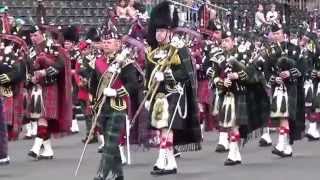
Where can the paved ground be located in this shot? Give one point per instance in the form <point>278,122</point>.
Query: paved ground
<point>258,163</point>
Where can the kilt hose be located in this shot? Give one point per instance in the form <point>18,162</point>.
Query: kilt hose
<point>110,164</point>
<point>3,135</point>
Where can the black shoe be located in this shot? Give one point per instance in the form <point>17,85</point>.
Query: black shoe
<point>100,150</point>
<point>230,162</point>
<point>311,138</point>
<point>155,168</point>
<point>264,143</point>
<point>5,162</point>
<point>98,178</point>
<point>176,153</point>
<point>162,172</point>
<point>120,178</point>
<point>27,137</point>
<point>33,155</point>
<point>75,132</point>
<point>45,157</point>
<point>280,153</point>
<point>284,155</point>
<point>221,149</point>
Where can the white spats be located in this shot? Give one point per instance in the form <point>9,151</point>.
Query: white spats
<point>74,126</point>
<point>122,154</point>
<point>166,160</point>
<point>266,136</point>
<point>34,128</point>
<point>28,130</point>
<point>47,152</point>
<point>5,161</point>
<point>161,161</point>
<point>202,130</point>
<point>171,161</point>
<point>37,146</point>
<point>287,150</point>
<point>282,138</point>
<point>101,140</point>
<point>223,139</point>
<point>234,152</point>
<point>313,131</point>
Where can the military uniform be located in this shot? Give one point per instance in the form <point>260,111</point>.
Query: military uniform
<point>171,99</point>
<point>287,98</point>
<point>12,55</point>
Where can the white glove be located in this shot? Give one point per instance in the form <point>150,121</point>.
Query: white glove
<point>110,92</point>
<point>112,68</point>
<point>198,66</point>
<point>159,76</point>
<point>147,105</point>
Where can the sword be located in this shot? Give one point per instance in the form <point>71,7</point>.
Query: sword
<point>100,105</point>
<point>90,135</point>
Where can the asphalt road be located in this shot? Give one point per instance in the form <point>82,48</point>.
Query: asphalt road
<point>258,163</point>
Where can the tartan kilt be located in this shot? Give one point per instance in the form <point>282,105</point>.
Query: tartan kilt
<point>3,135</point>
<point>204,92</point>
<point>112,124</point>
<point>313,113</point>
<point>50,102</point>
<point>13,114</point>
<point>241,110</point>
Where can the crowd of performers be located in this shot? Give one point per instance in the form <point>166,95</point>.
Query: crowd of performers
<point>163,83</point>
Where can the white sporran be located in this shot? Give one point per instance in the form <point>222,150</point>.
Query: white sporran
<point>279,103</point>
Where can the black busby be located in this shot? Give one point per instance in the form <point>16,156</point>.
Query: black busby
<point>310,35</point>
<point>276,27</point>
<point>71,34</point>
<point>93,35</point>
<point>212,26</point>
<point>164,15</point>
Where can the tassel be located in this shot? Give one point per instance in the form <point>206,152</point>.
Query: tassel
<point>222,113</point>
<point>274,104</point>
<point>24,102</point>
<point>283,107</point>
<point>228,118</point>
<point>317,101</point>
<point>38,105</point>
<point>32,107</point>
<point>308,99</point>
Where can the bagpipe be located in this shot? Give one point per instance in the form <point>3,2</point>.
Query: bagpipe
<point>13,50</point>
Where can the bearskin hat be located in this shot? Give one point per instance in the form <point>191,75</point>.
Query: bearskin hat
<point>164,15</point>
<point>71,34</point>
<point>93,35</point>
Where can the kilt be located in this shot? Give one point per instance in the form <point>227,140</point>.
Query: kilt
<point>3,135</point>
<point>110,163</point>
<point>204,92</point>
<point>13,114</point>
<point>313,112</point>
<point>240,111</point>
<point>50,102</point>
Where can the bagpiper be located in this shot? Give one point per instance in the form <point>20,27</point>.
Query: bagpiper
<point>13,52</point>
<point>171,90</point>
<point>308,46</point>
<point>51,74</point>
<point>284,72</point>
